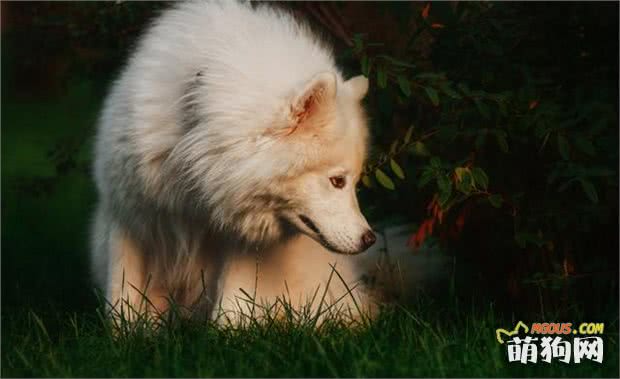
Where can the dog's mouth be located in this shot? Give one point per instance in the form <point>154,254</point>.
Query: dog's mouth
<point>310,224</point>
<point>319,236</point>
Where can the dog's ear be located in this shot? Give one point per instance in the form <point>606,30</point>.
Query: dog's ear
<point>357,86</point>
<point>315,101</point>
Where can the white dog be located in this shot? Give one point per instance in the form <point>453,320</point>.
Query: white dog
<point>227,158</point>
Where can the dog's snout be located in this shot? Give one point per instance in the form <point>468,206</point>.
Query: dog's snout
<point>368,239</point>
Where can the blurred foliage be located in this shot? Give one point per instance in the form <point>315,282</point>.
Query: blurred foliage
<point>495,129</point>
<point>510,122</point>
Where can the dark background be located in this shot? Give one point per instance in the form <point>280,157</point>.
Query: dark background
<point>526,92</point>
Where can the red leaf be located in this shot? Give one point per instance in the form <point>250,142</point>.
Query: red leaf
<point>533,104</point>
<point>427,7</point>
<point>437,26</point>
<point>430,224</point>
<point>425,229</point>
<point>432,204</point>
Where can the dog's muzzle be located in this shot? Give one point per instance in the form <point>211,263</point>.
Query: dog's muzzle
<point>368,238</point>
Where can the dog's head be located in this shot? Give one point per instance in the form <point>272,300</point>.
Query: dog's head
<point>262,162</point>
<point>325,136</point>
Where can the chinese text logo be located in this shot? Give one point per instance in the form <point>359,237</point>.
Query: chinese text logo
<point>529,345</point>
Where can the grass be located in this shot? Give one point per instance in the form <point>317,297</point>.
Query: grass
<point>429,338</point>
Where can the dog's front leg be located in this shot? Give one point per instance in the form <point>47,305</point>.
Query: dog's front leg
<point>132,294</point>
<point>203,289</point>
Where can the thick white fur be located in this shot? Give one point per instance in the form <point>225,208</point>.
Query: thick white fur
<point>225,126</point>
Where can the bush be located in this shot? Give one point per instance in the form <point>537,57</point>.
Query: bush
<point>499,121</point>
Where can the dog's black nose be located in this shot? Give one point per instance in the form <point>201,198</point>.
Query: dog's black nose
<point>368,239</point>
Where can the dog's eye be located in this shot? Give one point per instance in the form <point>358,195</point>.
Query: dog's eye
<point>338,181</point>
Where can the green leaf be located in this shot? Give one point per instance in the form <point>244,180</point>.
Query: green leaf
<point>381,77</point>
<point>365,65</point>
<point>445,88</point>
<point>445,189</point>
<point>432,94</point>
<point>418,148</point>
<point>396,61</point>
<point>435,162</point>
<point>466,184</point>
<point>480,177</point>
<point>496,200</point>
<point>408,134</point>
<point>384,180</point>
<point>444,183</point>
<point>444,196</point>
<point>357,43</point>
<point>589,190</point>
<point>404,85</point>
<point>563,146</point>
<point>366,181</point>
<point>396,169</point>
<point>427,175</point>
